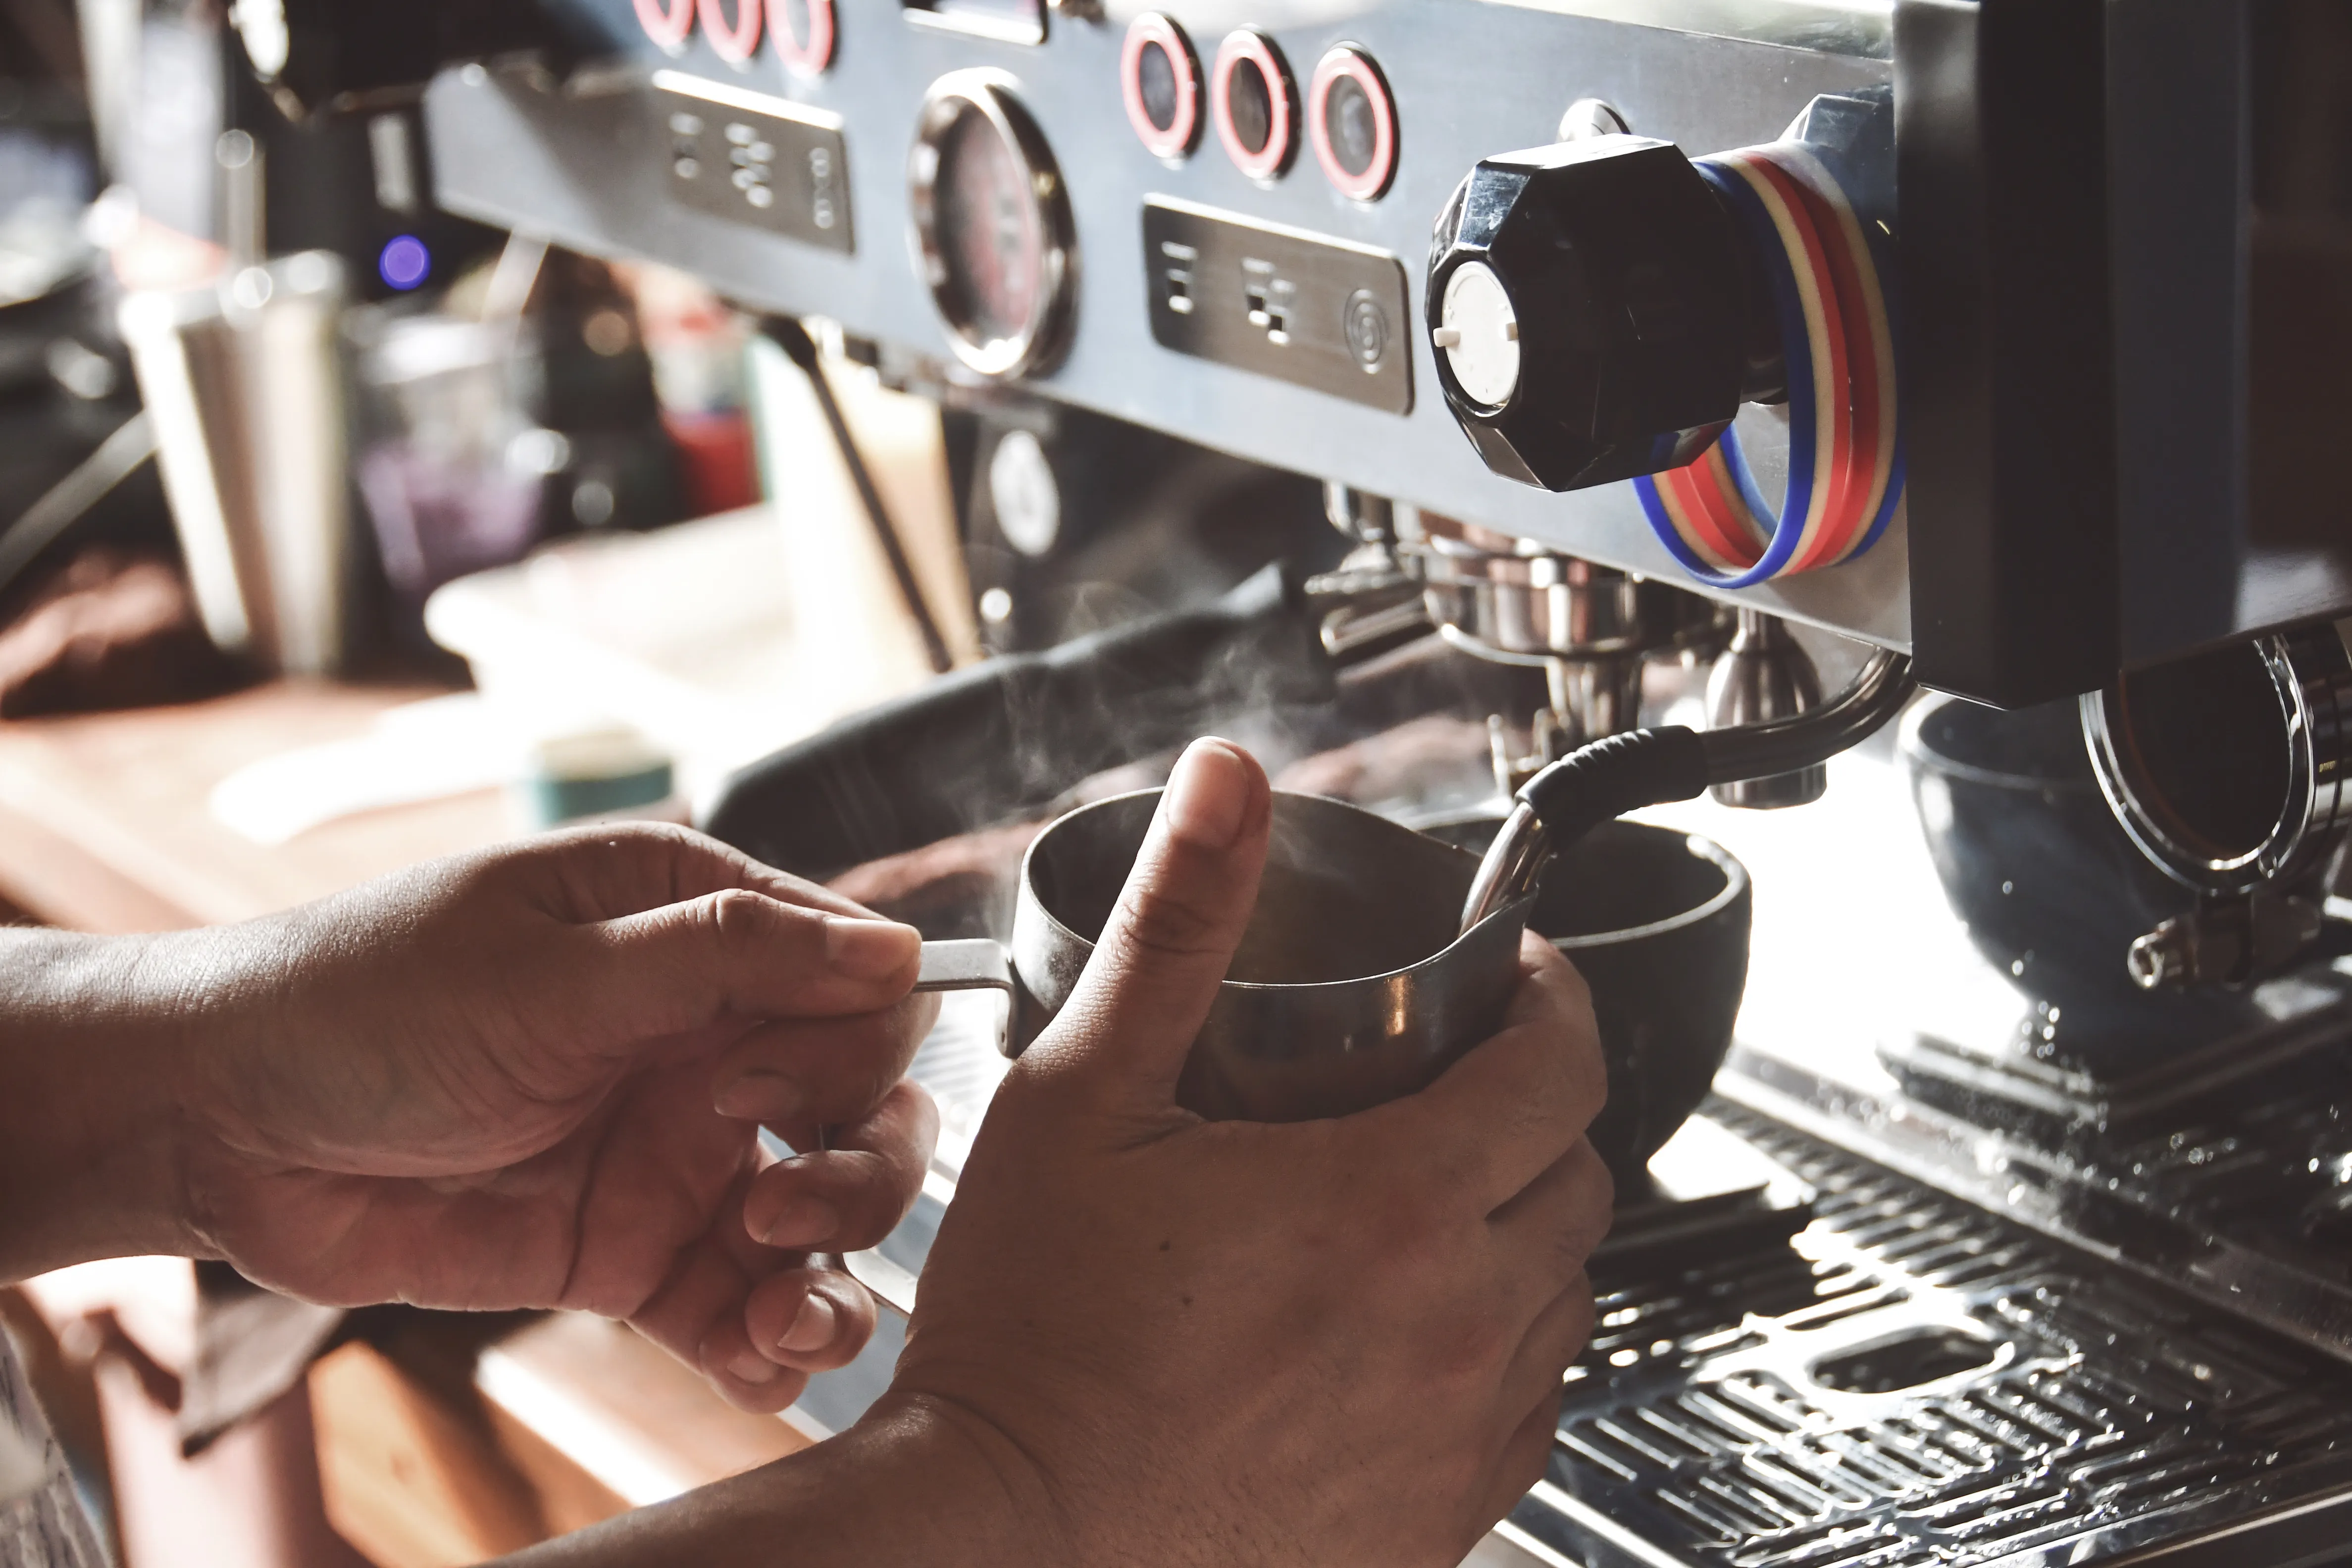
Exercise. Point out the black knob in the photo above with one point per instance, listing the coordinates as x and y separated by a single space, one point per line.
1593 314
332 56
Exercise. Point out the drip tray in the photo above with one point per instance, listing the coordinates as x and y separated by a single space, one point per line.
1909 1380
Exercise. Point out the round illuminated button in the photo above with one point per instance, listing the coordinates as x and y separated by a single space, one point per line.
1254 104
735 40
666 22
804 35
1478 332
1160 78
1351 123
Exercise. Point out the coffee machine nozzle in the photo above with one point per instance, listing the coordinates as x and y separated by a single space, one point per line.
1622 773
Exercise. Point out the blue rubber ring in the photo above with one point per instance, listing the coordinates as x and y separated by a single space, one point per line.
1797 355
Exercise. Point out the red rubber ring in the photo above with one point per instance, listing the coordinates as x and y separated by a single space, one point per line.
813 56
1347 60
666 25
1184 132
1282 131
735 42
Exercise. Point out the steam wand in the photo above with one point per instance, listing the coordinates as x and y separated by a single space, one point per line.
1625 772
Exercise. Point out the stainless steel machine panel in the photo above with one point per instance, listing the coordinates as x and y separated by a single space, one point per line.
583 165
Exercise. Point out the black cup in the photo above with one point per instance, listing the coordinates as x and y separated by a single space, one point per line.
1657 922
2052 891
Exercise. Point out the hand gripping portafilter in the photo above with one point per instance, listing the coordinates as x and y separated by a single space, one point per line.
1651 766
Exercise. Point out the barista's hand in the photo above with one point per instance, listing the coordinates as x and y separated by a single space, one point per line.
1181 1343
532 1076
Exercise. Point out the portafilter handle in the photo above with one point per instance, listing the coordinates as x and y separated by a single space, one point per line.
1622 773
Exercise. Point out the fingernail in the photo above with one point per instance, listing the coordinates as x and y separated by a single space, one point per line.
753 1368
804 1222
1207 795
869 949
758 1097
813 1327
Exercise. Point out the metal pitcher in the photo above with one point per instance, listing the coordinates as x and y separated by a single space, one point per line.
1352 983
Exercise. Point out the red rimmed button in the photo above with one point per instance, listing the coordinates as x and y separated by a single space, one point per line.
804 35
1160 78
1351 123
1254 104
666 22
736 39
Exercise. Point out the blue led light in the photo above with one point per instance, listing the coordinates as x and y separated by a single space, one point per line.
405 263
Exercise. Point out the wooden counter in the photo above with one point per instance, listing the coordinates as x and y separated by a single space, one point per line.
104 824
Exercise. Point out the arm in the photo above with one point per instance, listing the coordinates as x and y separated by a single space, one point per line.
89 1127
528 1077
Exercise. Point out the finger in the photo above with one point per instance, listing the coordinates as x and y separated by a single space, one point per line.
1170 941
748 1379
851 1196
810 1072
610 870
733 953
810 1320
697 1316
1511 1107
1561 1215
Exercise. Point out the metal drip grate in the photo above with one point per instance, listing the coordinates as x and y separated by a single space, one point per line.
1915 1381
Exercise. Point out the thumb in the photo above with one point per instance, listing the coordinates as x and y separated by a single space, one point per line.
1168 942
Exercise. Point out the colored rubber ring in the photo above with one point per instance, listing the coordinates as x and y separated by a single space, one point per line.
666 22
1183 132
1875 389
1835 322
1349 61
1282 98
812 55
736 42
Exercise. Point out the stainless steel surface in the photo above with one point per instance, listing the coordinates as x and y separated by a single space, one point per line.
2147 775
1512 865
1351 985
885 1279
1365 518
1589 628
1764 676
969 965
2195 1214
1876 695
1916 1381
583 169
1514 602
244 391
2225 942
1590 117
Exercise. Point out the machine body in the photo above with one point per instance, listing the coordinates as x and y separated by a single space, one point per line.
2053 1275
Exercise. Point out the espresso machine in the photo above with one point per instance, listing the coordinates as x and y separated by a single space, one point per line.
1937 392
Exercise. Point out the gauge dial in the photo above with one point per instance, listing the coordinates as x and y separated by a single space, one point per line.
991 225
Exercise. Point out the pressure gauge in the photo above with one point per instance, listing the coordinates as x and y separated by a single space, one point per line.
992 226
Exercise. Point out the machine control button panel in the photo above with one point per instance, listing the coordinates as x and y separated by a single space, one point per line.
758 159
1303 307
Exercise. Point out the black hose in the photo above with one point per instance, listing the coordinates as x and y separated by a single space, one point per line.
801 348
1622 773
